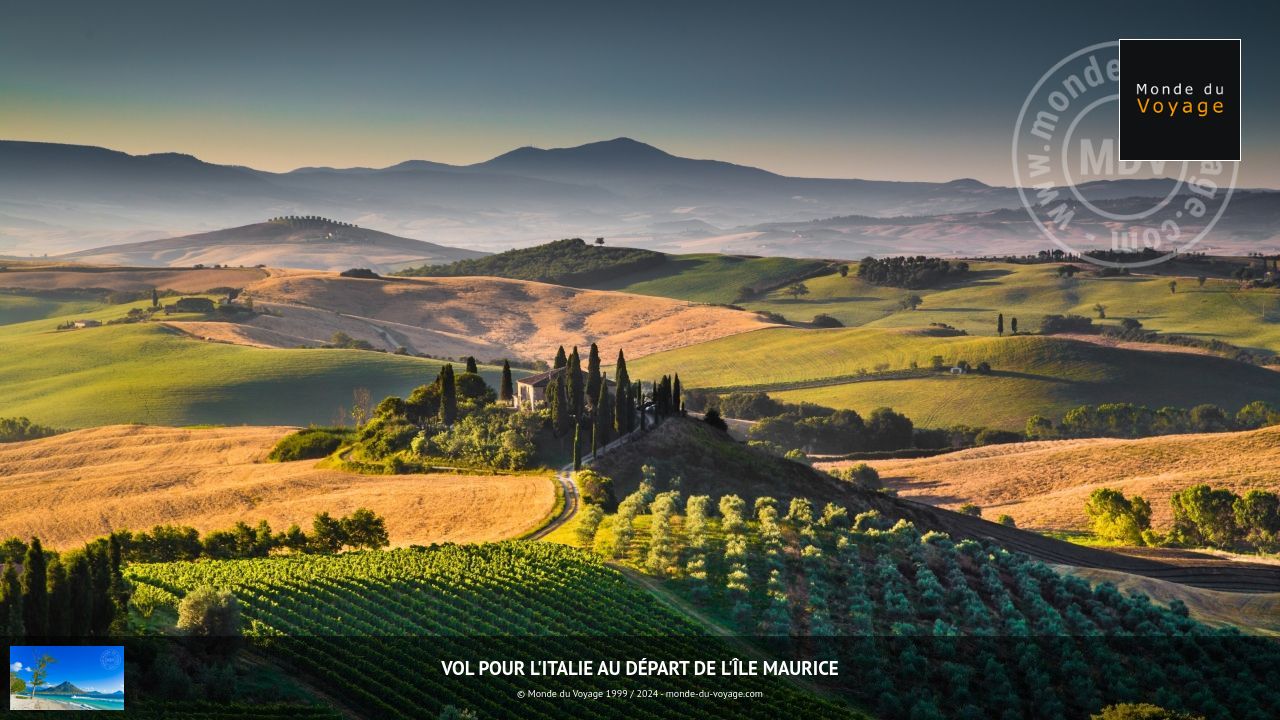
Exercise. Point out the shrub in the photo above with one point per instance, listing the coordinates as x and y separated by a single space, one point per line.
209 613
823 320
309 444
594 488
970 509
1141 711
712 418
1006 520
1051 324
1115 517
992 436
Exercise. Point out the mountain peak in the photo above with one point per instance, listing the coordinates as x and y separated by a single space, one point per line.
617 149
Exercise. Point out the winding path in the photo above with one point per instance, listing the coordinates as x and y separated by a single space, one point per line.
565 478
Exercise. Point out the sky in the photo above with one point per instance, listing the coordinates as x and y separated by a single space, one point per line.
899 91
81 666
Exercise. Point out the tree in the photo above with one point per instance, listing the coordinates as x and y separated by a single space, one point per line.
712 418
1200 280
1013 326
593 373
327 534
16 684
575 386
1257 516
888 430
1257 414
1000 324
1173 286
970 509
795 290
594 488
35 591
471 365
1115 517
1039 427
1101 310
59 598
677 399
603 418
505 390
471 386
1006 520
40 673
11 620
561 360
364 529
624 409
1208 418
577 446
155 298
1203 515
448 395
911 302
207 612
843 270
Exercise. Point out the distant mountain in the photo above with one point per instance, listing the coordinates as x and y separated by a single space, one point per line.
318 244
64 198
62 688
96 694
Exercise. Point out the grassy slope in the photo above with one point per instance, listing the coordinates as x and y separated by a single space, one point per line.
709 277
24 308
1033 374
1249 318
152 374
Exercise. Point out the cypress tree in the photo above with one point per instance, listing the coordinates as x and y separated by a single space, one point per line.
103 609
561 361
11 604
1000 324
577 446
1013 326
677 400
576 386
644 417
80 588
505 390
448 395
593 373
155 298
471 365
623 410
604 419
35 591
558 405
59 599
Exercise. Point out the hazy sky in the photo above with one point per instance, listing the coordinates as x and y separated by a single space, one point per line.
877 90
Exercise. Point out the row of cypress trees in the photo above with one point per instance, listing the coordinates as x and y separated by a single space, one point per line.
45 594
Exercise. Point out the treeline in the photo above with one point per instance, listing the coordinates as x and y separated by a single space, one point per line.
1202 517
17 429
912 272
44 593
1132 330
563 262
362 529
1126 420
809 428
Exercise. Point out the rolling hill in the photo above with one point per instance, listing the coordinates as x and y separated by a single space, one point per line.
1031 375
1044 485
152 373
487 317
71 488
311 244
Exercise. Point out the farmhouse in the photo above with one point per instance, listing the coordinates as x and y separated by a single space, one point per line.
88 323
531 390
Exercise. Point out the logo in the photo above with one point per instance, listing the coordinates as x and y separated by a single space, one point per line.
1088 202
111 658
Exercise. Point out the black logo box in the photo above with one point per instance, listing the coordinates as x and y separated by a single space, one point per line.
1189 63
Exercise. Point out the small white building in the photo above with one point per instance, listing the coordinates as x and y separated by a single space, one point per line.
88 323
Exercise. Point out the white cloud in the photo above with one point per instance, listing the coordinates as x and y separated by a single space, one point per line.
16 667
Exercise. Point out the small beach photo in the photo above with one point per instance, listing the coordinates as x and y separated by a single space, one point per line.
66 677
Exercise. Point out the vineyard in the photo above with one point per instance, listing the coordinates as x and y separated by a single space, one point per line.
372 628
926 627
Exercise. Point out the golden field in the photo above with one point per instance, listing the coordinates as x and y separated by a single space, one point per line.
80 485
1044 485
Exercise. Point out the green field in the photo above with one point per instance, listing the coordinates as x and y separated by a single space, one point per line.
372 629
23 308
150 373
710 278
1248 318
1031 374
